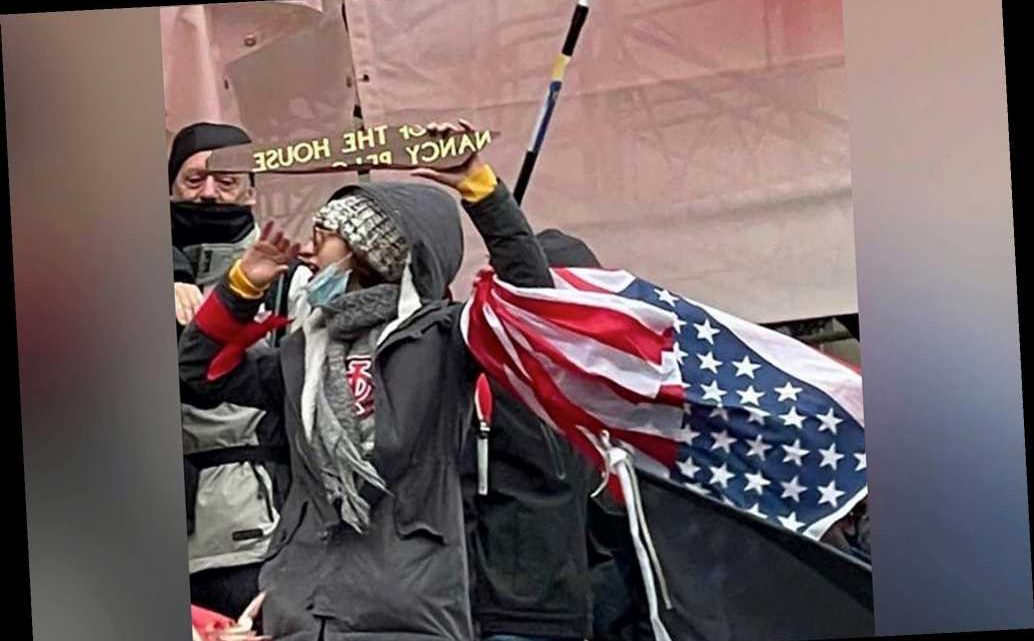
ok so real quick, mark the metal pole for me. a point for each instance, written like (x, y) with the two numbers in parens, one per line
(581, 11)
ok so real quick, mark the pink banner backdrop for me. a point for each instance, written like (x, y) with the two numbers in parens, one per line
(278, 69)
(701, 144)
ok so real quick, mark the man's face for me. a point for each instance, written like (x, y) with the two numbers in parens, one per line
(192, 184)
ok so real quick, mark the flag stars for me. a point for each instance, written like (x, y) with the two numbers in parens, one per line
(794, 453)
(793, 418)
(861, 461)
(705, 331)
(793, 490)
(720, 412)
(756, 510)
(745, 368)
(709, 362)
(676, 350)
(790, 522)
(666, 296)
(721, 476)
(830, 494)
(829, 421)
(713, 392)
(688, 434)
(830, 457)
(757, 415)
(788, 392)
(756, 483)
(688, 468)
(750, 395)
(758, 447)
(723, 441)
(678, 324)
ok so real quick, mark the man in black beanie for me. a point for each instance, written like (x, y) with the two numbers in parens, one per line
(527, 535)
(235, 459)
(206, 209)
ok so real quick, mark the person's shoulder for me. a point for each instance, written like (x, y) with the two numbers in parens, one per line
(453, 309)
(443, 314)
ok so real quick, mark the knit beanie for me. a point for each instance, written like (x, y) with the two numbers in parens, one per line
(371, 233)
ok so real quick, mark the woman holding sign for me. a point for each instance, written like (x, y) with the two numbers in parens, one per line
(376, 388)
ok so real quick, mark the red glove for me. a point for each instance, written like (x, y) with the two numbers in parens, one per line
(212, 626)
(207, 622)
(218, 323)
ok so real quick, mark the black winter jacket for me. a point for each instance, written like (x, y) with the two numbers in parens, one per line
(406, 578)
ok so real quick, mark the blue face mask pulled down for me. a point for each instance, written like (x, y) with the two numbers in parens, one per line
(328, 284)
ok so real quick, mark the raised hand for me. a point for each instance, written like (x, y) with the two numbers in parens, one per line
(453, 177)
(269, 257)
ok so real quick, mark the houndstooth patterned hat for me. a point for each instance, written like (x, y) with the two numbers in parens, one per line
(372, 234)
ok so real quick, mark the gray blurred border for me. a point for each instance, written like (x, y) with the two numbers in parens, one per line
(936, 290)
(937, 301)
(96, 339)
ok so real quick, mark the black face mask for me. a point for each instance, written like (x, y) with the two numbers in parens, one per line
(198, 223)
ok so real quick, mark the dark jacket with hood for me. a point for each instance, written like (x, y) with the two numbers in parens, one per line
(527, 535)
(406, 577)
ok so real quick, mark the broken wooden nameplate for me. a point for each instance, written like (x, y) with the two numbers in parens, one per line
(374, 147)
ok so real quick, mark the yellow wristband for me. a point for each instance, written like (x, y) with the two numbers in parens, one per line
(240, 284)
(478, 185)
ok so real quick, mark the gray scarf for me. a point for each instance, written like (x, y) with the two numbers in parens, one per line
(341, 441)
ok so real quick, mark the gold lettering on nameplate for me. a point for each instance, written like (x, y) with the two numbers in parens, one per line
(379, 146)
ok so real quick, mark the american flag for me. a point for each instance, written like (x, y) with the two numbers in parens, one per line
(720, 405)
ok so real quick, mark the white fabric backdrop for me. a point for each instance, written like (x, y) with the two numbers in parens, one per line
(701, 143)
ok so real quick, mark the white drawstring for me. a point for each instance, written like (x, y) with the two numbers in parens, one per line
(647, 537)
(603, 457)
(619, 461)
